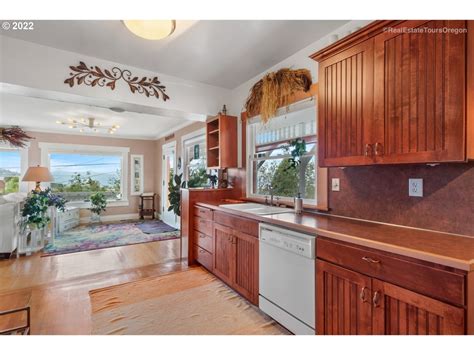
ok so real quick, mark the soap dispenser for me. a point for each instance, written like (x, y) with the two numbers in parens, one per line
(298, 202)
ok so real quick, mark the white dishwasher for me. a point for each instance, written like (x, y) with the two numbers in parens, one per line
(287, 277)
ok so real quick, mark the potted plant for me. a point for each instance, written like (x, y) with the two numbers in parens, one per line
(35, 216)
(98, 205)
(174, 193)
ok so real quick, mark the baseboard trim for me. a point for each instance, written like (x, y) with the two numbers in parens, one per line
(111, 218)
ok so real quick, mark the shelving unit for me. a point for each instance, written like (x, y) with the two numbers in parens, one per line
(221, 137)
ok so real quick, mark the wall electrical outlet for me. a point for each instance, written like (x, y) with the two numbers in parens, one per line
(335, 185)
(415, 187)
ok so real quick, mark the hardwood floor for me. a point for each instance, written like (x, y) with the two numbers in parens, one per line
(59, 285)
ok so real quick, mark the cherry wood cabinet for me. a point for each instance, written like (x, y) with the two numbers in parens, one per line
(350, 300)
(221, 138)
(398, 311)
(419, 96)
(224, 255)
(396, 92)
(343, 301)
(236, 260)
(345, 102)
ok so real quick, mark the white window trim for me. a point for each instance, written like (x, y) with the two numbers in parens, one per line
(250, 138)
(132, 173)
(24, 185)
(47, 148)
(190, 138)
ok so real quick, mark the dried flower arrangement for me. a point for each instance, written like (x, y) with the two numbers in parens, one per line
(274, 91)
(15, 136)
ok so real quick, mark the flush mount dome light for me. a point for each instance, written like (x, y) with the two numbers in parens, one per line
(151, 29)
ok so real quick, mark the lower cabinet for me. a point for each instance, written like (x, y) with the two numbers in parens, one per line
(397, 311)
(352, 302)
(236, 260)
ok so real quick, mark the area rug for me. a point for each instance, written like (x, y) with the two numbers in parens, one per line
(106, 235)
(191, 302)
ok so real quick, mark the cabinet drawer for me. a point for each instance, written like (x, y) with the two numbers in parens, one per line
(244, 225)
(203, 257)
(202, 212)
(204, 241)
(408, 273)
(203, 225)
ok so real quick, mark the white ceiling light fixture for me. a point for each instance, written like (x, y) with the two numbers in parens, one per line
(151, 29)
(88, 125)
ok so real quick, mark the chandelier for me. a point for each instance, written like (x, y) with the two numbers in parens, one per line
(88, 125)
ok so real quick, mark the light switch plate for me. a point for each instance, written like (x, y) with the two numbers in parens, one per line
(335, 185)
(415, 187)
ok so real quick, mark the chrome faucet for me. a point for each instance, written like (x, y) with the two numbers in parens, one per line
(271, 195)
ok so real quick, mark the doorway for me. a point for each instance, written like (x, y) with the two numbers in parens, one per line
(168, 171)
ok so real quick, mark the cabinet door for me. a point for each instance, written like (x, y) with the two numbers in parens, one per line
(223, 253)
(246, 266)
(343, 301)
(345, 104)
(398, 311)
(420, 93)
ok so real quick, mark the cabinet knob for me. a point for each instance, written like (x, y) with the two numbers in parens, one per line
(362, 295)
(368, 150)
(375, 299)
(378, 149)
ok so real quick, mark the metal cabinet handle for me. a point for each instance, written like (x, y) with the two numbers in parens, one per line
(202, 236)
(378, 149)
(368, 150)
(362, 294)
(375, 299)
(370, 260)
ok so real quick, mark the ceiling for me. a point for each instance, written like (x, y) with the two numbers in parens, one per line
(224, 53)
(40, 114)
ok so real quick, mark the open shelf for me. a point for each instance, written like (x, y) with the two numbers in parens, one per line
(214, 148)
(221, 134)
(214, 131)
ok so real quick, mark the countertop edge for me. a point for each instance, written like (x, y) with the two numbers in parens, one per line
(465, 265)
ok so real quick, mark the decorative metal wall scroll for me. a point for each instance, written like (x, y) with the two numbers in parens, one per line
(94, 76)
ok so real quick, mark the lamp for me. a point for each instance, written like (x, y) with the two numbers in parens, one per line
(38, 174)
(151, 29)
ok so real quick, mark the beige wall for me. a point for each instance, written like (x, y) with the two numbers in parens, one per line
(158, 149)
(137, 146)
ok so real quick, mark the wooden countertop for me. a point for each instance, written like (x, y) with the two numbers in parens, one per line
(442, 248)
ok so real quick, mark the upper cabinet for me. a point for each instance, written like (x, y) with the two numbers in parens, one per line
(221, 142)
(346, 94)
(395, 92)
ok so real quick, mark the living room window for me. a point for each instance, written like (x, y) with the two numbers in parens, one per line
(80, 171)
(13, 164)
(269, 167)
(10, 171)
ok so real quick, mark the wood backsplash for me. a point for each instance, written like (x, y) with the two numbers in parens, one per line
(380, 193)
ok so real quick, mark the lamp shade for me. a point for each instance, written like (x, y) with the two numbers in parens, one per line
(38, 173)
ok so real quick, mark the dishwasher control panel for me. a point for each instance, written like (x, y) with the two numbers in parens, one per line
(295, 242)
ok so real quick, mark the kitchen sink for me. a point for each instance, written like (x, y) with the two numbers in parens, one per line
(256, 208)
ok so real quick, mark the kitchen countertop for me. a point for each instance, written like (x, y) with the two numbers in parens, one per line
(441, 248)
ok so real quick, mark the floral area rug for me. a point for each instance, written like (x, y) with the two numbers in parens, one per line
(106, 235)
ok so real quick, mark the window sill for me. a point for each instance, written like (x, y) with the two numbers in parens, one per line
(82, 204)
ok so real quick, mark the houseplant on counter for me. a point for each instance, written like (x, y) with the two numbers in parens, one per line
(98, 205)
(35, 219)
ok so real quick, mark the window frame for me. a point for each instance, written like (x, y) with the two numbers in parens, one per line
(191, 138)
(123, 152)
(24, 186)
(321, 174)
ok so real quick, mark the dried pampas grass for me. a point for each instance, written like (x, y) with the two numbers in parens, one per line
(274, 91)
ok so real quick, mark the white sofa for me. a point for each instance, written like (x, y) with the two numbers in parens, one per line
(10, 206)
